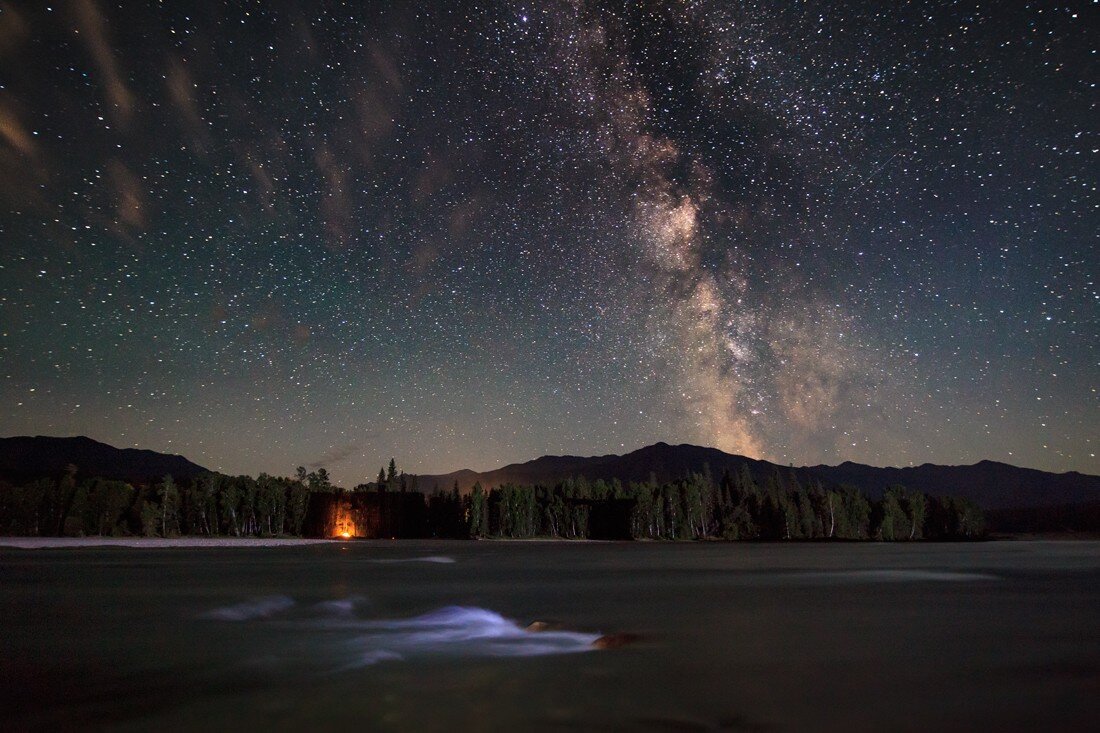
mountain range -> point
(992, 485)
(26, 458)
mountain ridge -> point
(992, 484)
(26, 458)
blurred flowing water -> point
(433, 636)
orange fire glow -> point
(345, 526)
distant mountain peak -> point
(24, 458)
(991, 484)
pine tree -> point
(478, 520)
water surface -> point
(433, 636)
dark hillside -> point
(992, 485)
(27, 458)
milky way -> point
(277, 234)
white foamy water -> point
(341, 608)
(889, 576)
(464, 631)
(253, 609)
(452, 631)
(438, 559)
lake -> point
(431, 636)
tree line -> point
(736, 506)
(208, 505)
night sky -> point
(271, 234)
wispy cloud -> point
(93, 31)
(339, 454)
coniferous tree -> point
(297, 505)
(478, 520)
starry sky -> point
(270, 234)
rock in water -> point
(615, 641)
(607, 641)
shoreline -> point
(76, 543)
(61, 543)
